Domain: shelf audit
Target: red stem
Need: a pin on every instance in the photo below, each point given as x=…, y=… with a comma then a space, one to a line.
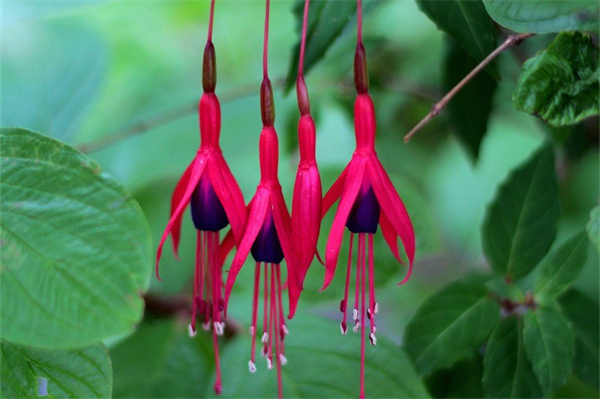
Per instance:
x=266, y=40
x=210, y=20
x=359, y=22
x=303, y=40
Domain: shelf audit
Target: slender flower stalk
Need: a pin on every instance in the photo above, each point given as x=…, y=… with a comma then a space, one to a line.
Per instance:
x=306, y=204
x=267, y=237
x=216, y=201
x=367, y=200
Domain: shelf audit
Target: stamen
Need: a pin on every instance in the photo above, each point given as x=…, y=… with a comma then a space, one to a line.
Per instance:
x=282, y=359
x=361, y=265
x=372, y=302
x=373, y=339
x=265, y=337
x=356, y=326
x=219, y=327
x=343, y=327
x=251, y=366
x=269, y=363
x=206, y=326
x=344, y=302
x=355, y=314
x=254, y=313
x=191, y=330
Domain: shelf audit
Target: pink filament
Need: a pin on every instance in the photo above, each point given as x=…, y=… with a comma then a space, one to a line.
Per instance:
x=254, y=310
x=344, y=304
x=372, y=302
x=361, y=265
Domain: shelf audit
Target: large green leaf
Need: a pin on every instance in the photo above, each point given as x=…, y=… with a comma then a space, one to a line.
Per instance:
x=326, y=22
x=520, y=223
x=469, y=126
x=166, y=359
x=76, y=251
x=542, y=16
x=450, y=325
x=584, y=315
x=56, y=373
x=322, y=363
x=560, y=85
x=593, y=228
x=549, y=344
x=506, y=371
x=561, y=267
x=466, y=22
x=462, y=380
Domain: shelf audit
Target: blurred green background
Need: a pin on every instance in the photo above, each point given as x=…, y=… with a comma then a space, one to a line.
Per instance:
x=86, y=72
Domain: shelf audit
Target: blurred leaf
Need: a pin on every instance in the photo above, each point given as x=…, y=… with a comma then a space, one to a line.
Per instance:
x=450, y=325
x=520, y=223
x=593, y=228
x=467, y=23
x=561, y=267
x=504, y=290
x=470, y=108
x=53, y=95
x=560, y=85
x=68, y=373
x=584, y=315
x=166, y=359
x=76, y=250
x=506, y=371
x=322, y=363
x=541, y=16
x=462, y=380
x=326, y=21
x=549, y=344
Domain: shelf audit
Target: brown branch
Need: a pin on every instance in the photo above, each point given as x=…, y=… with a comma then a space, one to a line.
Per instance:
x=511, y=41
x=159, y=120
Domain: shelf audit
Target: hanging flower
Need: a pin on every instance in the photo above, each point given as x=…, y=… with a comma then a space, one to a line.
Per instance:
x=216, y=201
x=268, y=238
x=367, y=200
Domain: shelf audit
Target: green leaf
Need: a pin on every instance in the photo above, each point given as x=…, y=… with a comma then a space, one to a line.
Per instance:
x=462, y=380
x=56, y=373
x=549, y=344
x=467, y=23
x=450, y=325
x=593, y=228
x=326, y=22
x=542, y=16
x=506, y=371
x=470, y=108
x=520, y=223
x=504, y=290
x=560, y=85
x=584, y=315
x=322, y=363
x=166, y=359
x=561, y=267
x=76, y=251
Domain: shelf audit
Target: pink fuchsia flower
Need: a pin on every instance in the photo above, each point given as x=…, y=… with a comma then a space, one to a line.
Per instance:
x=367, y=200
x=268, y=238
x=216, y=201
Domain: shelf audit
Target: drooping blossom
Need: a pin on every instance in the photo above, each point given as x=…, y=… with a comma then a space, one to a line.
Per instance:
x=216, y=201
x=367, y=200
x=306, y=203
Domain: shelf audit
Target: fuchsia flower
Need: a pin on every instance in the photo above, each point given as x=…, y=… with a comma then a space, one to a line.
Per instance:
x=306, y=204
x=367, y=199
x=216, y=201
x=268, y=238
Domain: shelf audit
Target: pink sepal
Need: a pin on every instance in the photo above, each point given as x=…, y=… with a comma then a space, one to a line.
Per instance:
x=178, y=194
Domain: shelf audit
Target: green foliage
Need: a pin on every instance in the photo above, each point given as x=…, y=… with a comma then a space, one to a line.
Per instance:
x=29, y=372
x=561, y=267
x=326, y=22
x=470, y=109
x=466, y=22
x=76, y=251
x=560, y=85
x=450, y=325
x=593, y=228
x=584, y=315
x=549, y=344
x=507, y=373
x=520, y=223
x=541, y=16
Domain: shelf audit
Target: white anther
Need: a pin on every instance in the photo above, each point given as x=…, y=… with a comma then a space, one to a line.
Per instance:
x=374, y=328
x=285, y=329
x=265, y=337
x=252, y=329
x=355, y=314
x=376, y=308
x=191, y=330
x=269, y=363
x=263, y=351
x=373, y=339
x=282, y=359
x=219, y=327
x=356, y=326
x=343, y=329
x=206, y=326
x=251, y=366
